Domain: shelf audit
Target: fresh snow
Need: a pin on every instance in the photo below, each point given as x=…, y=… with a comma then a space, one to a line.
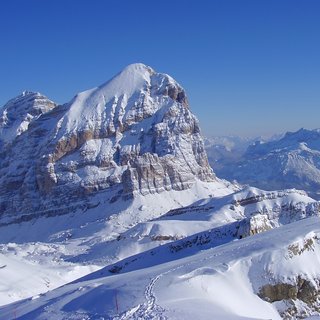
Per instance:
x=21, y=277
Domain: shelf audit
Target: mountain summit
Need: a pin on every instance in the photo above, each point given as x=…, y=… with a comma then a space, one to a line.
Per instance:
x=135, y=134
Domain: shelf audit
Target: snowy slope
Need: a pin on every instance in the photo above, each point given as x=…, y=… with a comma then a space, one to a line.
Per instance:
x=24, y=277
x=67, y=246
x=218, y=283
x=290, y=162
x=123, y=96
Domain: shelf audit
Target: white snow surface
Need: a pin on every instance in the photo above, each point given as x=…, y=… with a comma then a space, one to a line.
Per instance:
x=217, y=283
x=66, y=247
x=152, y=230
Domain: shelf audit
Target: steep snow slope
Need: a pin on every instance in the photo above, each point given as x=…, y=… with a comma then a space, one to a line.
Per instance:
x=291, y=162
x=223, y=282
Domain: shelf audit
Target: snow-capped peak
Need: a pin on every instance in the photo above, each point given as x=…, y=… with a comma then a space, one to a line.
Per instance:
x=135, y=68
x=19, y=112
x=130, y=80
x=131, y=91
x=124, y=163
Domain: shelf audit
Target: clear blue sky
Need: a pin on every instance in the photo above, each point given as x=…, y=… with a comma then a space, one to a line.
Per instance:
x=249, y=67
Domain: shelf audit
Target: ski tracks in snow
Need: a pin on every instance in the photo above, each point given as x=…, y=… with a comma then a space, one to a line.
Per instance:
x=149, y=309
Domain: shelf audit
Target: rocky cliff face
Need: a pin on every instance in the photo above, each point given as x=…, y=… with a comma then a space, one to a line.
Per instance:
x=134, y=134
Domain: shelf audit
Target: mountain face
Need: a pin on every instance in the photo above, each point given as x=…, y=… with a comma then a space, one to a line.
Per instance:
x=290, y=162
x=133, y=134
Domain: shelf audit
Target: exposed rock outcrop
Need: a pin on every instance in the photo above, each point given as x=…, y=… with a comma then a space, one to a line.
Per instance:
x=303, y=292
x=253, y=225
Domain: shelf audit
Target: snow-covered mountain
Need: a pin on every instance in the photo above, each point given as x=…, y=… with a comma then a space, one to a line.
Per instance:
x=133, y=134
x=109, y=210
x=290, y=162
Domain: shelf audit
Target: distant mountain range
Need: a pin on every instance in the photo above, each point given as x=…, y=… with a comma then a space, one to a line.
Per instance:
x=289, y=162
x=225, y=150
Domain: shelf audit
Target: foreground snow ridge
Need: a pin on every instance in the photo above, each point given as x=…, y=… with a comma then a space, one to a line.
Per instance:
x=109, y=210
x=239, y=258
x=219, y=283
